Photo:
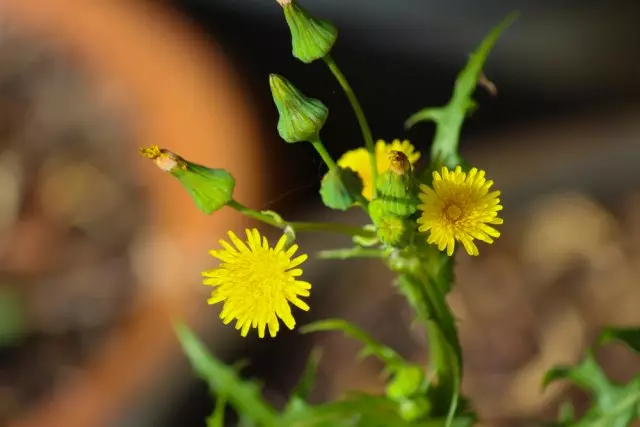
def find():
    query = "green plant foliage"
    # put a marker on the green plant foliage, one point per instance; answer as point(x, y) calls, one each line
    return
point(211, 189)
point(392, 360)
point(628, 336)
point(340, 188)
point(614, 405)
point(449, 118)
point(243, 395)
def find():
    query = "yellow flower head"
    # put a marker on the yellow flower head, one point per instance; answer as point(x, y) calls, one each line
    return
point(257, 283)
point(358, 160)
point(459, 207)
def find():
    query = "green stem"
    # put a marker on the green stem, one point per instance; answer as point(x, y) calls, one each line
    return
point(362, 120)
point(301, 226)
point(356, 252)
point(319, 146)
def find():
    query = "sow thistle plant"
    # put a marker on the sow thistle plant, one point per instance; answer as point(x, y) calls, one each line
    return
point(419, 219)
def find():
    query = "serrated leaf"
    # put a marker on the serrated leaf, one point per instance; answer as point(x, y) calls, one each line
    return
point(243, 395)
point(628, 336)
point(587, 375)
point(613, 405)
point(391, 359)
point(449, 119)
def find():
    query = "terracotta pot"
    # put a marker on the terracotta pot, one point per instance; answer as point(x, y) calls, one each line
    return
point(182, 95)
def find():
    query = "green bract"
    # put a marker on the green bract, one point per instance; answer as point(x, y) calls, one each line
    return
point(311, 38)
point(300, 118)
point(211, 189)
point(391, 229)
point(340, 188)
point(397, 188)
point(406, 382)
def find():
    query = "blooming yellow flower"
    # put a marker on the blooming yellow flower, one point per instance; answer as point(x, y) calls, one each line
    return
point(358, 160)
point(459, 207)
point(256, 283)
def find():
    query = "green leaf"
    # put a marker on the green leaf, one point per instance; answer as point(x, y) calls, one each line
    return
point(244, 396)
point(614, 405)
point(308, 379)
point(587, 375)
point(449, 119)
point(217, 418)
point(12, 317)
point(391, 359)
point(628, 336)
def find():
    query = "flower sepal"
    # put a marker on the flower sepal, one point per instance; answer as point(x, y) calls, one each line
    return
point(341, 189)
point(397, 188)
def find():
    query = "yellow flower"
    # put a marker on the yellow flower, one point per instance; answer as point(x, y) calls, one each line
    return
point(257, 283)
point(459, 207)
point(358, 160)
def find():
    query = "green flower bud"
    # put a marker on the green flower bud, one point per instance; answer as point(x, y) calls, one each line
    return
point(211, 189)
point(340, 188)
point(405, 383)
point(301, 118)
point(311, 39)
point(392, 230)
point(413, 409)
point(397, 188)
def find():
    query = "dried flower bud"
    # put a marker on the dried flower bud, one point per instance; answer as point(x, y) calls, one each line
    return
point(211, 189)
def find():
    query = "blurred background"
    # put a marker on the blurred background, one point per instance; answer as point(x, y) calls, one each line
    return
point(99, 250)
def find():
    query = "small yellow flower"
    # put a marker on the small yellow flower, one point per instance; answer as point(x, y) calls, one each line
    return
point(257, 283)
point(459, 207)
point(358, 160)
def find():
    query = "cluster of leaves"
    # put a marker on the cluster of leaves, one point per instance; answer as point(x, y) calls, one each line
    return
point(614, 405)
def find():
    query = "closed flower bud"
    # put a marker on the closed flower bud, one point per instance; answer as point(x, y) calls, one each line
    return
point(311, 38)
point(301, 118)
point(414, 409)
point(392, 230)
point(211, 189)
point(340, 188)
point(405, 383)
point(397, 189)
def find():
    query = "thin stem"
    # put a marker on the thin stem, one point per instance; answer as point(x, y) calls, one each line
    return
point(300, 226)
point(362, 120)
point(319, 146)
point(353, 253)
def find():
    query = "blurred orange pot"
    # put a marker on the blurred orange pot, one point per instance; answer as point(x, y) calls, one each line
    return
point(183, 96)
